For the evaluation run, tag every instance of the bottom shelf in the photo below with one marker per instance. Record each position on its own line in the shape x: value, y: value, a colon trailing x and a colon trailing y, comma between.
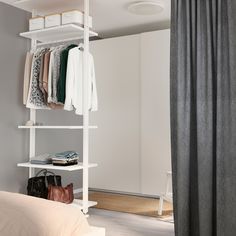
x: 79, y: 203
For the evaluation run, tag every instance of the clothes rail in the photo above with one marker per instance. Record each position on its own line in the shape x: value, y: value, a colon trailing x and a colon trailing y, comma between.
x: 59, y: 41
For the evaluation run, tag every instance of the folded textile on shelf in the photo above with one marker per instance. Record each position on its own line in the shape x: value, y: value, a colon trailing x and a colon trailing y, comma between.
x: 65, y: 163
x: 65, y: 158
x: 43, y: 159
x: 67, y: 154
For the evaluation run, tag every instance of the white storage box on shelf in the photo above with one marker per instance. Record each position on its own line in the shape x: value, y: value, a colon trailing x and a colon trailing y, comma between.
x: 75, y: 17
x: 52, y: 20
x: 36, y: 23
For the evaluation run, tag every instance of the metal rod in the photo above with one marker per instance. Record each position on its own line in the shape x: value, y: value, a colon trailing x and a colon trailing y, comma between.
x: 60, y: 41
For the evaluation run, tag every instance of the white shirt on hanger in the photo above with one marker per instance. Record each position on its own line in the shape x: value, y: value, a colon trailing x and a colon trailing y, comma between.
x: 74, y: 82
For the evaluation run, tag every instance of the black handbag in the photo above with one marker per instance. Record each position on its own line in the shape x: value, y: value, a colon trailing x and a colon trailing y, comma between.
x: 38, y: 185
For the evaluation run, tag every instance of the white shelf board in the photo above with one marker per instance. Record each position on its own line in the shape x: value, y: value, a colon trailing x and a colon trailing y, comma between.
x: 79, y: 203
x: 44, y: 7
x: 79, y: 166
x: 54, y: 127
x: 57, y: 34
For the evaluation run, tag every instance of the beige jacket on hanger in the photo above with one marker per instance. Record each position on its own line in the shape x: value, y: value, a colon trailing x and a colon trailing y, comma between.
x: 27, y: 74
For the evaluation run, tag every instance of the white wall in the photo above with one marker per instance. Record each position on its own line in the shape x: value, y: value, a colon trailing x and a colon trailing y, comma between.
x: 132, y: 143
x: 155, y: 111
x: 12, y: 141
x: 115, y: 145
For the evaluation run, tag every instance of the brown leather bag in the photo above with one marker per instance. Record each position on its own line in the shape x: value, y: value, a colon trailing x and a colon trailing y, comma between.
x: 60, y: 194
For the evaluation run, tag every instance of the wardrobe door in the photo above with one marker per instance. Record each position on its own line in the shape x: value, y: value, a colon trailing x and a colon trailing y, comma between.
x: 155, y: 111
x: 115, y: 145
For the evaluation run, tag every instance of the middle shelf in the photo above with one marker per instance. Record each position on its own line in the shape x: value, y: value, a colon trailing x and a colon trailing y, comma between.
x: 55, y: 127
x: 79, y: 166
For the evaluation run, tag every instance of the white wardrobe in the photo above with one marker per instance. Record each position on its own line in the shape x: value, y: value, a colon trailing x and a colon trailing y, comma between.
x: 132, y: 144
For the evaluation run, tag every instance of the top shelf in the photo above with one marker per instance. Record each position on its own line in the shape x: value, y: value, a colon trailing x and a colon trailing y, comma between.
x: 56, y: 34
x: 45, y: 7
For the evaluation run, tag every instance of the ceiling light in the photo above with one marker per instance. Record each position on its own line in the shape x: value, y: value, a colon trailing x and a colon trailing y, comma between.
x: 146, y: 7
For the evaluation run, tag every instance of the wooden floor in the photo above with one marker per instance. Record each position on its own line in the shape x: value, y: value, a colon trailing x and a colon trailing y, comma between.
x: 130, y: 204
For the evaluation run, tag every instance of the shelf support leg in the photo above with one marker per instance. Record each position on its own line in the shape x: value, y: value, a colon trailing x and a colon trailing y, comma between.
x: 85, y: 108
x: 32, y: 116
x: 32, y: 140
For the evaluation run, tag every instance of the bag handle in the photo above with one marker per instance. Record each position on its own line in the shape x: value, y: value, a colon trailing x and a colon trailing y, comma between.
x: 45, y: 171
x: 54, y: 176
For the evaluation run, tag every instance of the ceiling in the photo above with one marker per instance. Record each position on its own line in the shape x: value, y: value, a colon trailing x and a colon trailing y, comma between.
x: 110, y: 17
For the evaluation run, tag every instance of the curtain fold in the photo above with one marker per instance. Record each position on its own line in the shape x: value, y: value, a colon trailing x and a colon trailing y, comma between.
x: 203, y: 116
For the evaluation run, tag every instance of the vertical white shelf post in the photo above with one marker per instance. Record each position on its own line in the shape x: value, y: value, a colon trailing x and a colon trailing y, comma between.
x: 32, y: 116
x: 32, y: 141
x: 85, y: 107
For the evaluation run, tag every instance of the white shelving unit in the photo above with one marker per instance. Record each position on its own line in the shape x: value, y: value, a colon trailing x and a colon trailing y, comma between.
x: 57, y: 35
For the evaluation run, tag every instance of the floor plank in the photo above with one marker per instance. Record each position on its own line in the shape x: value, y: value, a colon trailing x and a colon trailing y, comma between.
x: 130, y: 204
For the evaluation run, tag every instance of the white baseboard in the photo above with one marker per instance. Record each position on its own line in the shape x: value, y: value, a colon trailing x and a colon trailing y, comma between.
x: 125, y: 193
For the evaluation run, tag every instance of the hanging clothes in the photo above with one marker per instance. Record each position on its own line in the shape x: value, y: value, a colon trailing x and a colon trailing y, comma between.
x: 27, y: 74
x: 45, y: 71
x: 50, y: 74
x: 36, y: 98
x: 74, y: 82
x: 54, y: 76
x: 41, y: 77
x: 54, y: 73
x: 61, y: 85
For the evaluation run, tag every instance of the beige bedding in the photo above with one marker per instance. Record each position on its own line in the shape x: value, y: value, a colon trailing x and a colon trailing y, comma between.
x: 95, y: 231
x: 22, y: 215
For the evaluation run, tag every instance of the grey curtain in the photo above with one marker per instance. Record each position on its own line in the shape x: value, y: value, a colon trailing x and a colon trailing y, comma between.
x: 203, y: 116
